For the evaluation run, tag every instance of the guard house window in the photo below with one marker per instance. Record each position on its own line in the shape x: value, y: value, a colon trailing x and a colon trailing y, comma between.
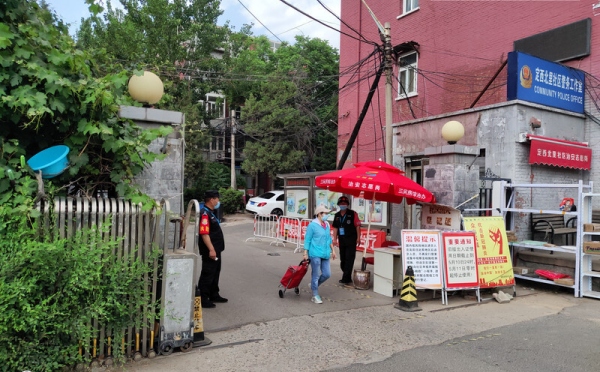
x: 410, y: 5
x: 407, y: 75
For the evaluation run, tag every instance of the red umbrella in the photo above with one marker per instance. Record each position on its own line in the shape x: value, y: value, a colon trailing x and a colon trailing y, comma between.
x: 376, y: 180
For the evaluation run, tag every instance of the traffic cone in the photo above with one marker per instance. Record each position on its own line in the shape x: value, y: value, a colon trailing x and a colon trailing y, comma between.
x: 408, y: 295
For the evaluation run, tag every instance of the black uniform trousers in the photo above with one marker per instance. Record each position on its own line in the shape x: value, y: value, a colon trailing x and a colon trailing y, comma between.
x: 347, y: 256
x: 208, y: 284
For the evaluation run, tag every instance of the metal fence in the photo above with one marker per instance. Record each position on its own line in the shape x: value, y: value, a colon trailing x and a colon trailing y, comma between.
x: 137, y: 231
x: 265, y: 227
x: 280, y: 230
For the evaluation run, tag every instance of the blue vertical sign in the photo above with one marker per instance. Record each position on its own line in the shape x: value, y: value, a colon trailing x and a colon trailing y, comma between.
x: 547, y: 83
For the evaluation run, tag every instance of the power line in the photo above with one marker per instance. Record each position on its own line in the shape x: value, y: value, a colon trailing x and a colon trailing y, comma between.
x: 240, y: 1
x: 326, y: 25
x: 347, y: 25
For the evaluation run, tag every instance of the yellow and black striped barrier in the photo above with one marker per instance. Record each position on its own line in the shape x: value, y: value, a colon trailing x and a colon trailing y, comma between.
x: 408, y: 295
x: 199, y: 339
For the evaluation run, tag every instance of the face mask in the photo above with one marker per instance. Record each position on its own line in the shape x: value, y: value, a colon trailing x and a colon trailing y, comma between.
x: 218, y: 205
x: 343, y: 207
x: 324, y: 217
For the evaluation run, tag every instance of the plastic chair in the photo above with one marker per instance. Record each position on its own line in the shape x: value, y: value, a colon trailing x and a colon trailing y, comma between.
x: 371, y: 260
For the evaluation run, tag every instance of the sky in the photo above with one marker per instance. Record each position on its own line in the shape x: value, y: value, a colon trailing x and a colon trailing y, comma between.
x: 279, y: 20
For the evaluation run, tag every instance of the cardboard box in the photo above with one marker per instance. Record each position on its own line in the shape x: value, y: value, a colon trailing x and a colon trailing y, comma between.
x: 565, y: 281
x: 521, y: 270
x: 591, y: 247
x: 591, y: 227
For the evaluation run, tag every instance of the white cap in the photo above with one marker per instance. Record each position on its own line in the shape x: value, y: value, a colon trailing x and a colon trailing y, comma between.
x: 322, y: 209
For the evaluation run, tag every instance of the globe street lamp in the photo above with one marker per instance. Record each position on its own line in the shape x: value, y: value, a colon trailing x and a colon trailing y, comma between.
x: 147, y: 88
x: 453, y: 131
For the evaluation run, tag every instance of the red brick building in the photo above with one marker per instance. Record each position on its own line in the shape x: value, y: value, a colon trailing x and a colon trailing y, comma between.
x: 445, y: 53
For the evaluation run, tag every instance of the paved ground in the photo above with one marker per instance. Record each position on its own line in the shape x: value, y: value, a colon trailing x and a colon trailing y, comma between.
x: 258, y: 331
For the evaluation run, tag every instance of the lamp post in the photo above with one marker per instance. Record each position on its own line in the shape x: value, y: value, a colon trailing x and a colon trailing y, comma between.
x: 147, y: 88
x: 453, y: 131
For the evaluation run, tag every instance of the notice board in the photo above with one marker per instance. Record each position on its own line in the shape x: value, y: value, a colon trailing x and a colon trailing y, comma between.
x: 460, y: 257
x: 493, y: 255
x: 421, y: 251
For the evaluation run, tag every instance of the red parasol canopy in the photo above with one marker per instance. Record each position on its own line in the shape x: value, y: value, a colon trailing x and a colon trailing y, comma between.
x: 377, y: 180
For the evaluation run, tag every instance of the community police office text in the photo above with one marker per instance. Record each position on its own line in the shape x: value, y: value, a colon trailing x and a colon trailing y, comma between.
x: 560, y: 95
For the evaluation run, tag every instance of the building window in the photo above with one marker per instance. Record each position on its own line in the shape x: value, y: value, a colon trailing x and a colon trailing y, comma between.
x: 215, y: 105
x: 410, y: 6
x: 407, y: 75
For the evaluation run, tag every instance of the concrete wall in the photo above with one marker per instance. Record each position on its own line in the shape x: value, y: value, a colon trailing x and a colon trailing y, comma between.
x: 162, y: 179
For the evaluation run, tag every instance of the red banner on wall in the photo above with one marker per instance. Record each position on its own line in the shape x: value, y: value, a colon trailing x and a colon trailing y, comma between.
x: 560, y: 153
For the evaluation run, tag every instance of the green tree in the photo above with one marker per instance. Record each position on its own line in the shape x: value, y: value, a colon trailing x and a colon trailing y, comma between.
x: 54, y: 93
x: 175, y: 38
x: 290, y: 109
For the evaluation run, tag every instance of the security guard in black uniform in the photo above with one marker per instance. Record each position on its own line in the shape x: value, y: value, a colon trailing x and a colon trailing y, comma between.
x: 211, y: 244
x: 346, y: 227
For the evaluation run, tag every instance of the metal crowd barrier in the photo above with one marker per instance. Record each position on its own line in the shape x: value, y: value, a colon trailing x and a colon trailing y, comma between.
x: 288, y: 231
x: 303, y: 226
x: 265, y: 227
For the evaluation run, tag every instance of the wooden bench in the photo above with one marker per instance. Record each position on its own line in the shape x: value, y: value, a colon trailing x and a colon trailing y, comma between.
x: 553, y: 226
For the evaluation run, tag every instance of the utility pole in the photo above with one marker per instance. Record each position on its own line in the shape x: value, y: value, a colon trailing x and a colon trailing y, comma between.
x: 386, y: 38
x: 387, y: 42
x: 232, y: 149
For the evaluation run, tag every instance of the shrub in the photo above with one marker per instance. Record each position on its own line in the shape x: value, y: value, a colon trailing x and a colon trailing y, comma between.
x: 231, y: 200
x: 51, y: 288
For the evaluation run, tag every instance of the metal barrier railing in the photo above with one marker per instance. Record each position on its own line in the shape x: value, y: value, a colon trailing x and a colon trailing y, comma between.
x: 265, y: 227
x: 288, y: 231
x: 303, y: 226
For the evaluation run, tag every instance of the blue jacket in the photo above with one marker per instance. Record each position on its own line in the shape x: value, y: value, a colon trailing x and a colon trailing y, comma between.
x: 317, y: 240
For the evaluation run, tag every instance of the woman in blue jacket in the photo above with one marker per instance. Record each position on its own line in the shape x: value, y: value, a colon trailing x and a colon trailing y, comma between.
x: 318, y: 246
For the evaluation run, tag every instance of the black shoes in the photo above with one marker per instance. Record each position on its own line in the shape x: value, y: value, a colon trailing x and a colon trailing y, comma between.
x: 344, y: 282
x: 208, y: 305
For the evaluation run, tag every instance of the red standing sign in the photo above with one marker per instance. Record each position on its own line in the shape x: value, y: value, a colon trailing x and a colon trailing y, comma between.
x: 460, y: 254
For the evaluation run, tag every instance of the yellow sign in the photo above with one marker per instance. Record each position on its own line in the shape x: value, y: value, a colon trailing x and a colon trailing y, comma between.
x: 493, y: 255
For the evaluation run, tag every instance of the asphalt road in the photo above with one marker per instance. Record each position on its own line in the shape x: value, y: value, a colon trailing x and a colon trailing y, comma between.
x: 538, y: 331
x: 567, y: 341
x: 250, y: 279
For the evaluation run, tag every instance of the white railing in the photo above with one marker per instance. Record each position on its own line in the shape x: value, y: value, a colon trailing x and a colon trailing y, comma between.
x: 265, y: 227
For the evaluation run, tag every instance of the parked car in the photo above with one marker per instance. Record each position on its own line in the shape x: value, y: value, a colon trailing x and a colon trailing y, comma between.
x: 271, y: 202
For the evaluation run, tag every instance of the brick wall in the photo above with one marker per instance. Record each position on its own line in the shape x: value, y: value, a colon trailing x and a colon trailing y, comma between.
x: 461, y: 45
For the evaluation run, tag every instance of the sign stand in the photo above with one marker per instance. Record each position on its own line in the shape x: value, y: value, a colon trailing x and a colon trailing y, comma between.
x: 421, y: 251
x: 460, y: 263
x: 494, y: 264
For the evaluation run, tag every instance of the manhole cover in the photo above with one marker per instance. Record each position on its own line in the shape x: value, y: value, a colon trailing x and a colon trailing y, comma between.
x: 273, y: 254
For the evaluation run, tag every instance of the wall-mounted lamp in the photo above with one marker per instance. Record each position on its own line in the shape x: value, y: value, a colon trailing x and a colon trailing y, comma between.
x: 535, y: 123
x: 453, y: 131
x: 147, y: 89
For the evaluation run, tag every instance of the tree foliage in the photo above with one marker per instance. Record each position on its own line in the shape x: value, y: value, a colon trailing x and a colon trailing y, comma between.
x: 53, y: 93
x: 175, y: 38
x: 290, y: 111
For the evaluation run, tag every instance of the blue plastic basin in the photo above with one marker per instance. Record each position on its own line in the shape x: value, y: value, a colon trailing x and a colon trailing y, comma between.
x: 51, y: 161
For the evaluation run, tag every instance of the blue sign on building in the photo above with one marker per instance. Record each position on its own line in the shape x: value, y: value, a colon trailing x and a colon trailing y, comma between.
x: 547, y: 83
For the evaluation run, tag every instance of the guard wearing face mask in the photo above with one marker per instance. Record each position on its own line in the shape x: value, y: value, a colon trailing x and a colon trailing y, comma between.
x: 211, y: 244
x: 346, y: 227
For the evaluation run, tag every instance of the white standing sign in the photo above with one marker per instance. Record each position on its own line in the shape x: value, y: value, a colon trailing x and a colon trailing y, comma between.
x: 421, y: 251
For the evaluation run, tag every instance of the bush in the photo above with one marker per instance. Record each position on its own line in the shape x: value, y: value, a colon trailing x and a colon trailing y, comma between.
x: 51, y: 288
x: 231, y: 200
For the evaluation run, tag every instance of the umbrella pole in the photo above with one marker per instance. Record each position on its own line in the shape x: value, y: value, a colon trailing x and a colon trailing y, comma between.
x: 364, y: 266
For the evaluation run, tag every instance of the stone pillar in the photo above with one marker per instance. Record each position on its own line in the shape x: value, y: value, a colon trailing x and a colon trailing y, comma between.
x: 452, y: 174
x: 162, y: 179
